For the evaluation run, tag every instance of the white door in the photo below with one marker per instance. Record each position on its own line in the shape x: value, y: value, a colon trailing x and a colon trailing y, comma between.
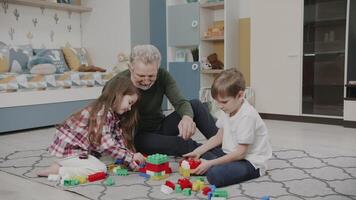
x: 276, y: 49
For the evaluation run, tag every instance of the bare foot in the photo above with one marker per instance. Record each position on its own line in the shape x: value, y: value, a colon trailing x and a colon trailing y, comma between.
x: 53, y: 169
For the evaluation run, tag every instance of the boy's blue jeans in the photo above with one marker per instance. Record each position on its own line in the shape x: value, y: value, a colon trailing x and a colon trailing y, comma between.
x: 229, y: 173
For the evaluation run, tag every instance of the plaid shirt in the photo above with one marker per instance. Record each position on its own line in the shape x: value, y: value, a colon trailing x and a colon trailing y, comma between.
x: 71, y: 138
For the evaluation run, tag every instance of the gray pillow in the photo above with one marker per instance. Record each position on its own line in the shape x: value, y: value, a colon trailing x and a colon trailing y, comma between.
x: 56, y: 56
x: 19, y: 57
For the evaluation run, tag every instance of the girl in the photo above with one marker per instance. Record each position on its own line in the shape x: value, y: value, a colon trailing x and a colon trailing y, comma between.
x: 242, y: 134
x: 103, y: 127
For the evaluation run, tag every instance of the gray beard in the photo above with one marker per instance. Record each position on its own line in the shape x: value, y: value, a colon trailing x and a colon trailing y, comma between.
x: 145, y: 87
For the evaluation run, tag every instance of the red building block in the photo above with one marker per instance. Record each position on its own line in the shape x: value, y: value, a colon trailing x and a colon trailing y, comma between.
x: 170, y: 184
x: 206, y: 190
x: 193, y: 163
x: 184, y: 183
x: 157, y: 168
x: 97, y: 176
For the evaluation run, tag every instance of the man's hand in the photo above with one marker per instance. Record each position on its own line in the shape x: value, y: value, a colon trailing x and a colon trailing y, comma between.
x: 186, y: 127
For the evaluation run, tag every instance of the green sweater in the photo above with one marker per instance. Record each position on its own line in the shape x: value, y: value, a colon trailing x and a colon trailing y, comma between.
x: 150, y: 102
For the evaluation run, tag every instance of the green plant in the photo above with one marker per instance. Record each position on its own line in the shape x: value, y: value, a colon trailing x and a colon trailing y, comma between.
x: 195, y: 54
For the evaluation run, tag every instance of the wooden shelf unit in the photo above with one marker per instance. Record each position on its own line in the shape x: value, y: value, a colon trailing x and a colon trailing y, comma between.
x: 213, y: 6
x: 219, y: 38
x: 211, y: 71
x: 51, y: 5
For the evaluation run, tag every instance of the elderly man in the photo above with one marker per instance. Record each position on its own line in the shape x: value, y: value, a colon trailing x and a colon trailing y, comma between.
x: 155, y: 132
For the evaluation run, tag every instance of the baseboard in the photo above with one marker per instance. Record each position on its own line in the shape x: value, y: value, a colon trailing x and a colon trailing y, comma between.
x: 307, y: 119
x: 349, y: 124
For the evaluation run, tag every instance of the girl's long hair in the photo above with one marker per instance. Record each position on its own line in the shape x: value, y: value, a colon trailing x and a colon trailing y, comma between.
x: 110, y: 97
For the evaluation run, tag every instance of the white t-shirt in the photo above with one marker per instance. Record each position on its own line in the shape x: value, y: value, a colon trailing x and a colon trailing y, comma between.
x: 246, y: 127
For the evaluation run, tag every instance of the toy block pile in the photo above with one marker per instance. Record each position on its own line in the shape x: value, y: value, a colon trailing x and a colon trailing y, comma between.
x: 187, y: 166
x: 186, y: 187
x: 76, y: 180
x: 157, y: 167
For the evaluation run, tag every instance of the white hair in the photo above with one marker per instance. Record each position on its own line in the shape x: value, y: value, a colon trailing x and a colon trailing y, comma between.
x: 147, y: 54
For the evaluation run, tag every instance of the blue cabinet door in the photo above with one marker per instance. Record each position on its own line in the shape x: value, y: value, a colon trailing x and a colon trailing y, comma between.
x: 187, y: 76
x: 183, y: 25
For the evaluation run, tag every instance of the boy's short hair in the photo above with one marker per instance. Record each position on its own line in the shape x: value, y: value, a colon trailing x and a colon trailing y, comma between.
x: 228, y: 84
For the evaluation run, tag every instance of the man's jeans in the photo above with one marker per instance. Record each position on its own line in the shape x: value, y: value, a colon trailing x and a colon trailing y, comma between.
x: 167, y: 141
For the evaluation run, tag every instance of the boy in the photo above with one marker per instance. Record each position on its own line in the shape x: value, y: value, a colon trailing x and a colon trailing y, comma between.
x: 242, y: 134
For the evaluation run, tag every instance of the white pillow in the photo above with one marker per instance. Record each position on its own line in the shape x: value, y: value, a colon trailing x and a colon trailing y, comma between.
x: 46, y: 68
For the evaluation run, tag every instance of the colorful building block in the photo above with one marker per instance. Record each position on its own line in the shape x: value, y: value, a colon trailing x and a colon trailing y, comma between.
x: 178, y: 188
x: 109, y: 181
x: 187, y: 191
x: 198, y: 185
x: 170, y: 184
x: 97, y: 176
x: 166, y: 190
x: 157, y: 159
x: 206, y: 190
x: 82, y: 179
x: 157, y: 167
x: 119, y: 161
x: 144, y: 175
x: 184, y: 183
x: 220, y: 193
x: 121, y: 172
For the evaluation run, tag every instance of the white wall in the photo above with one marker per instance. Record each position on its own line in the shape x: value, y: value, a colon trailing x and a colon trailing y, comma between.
x: 106, y: 30
x: 244, y: 8
x: 42, y: 31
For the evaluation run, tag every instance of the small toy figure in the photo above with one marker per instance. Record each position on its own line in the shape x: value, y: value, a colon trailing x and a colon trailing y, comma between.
x: 215, y: 62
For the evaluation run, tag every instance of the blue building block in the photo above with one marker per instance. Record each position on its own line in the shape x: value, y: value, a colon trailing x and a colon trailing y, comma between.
x: 265, y: 198
x: 119, y: 161
x: 144, y: 175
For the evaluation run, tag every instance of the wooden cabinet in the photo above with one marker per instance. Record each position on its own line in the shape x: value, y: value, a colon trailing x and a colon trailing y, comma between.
x: 190, y: 26
x: 187, y: 76
x: 183, y: 25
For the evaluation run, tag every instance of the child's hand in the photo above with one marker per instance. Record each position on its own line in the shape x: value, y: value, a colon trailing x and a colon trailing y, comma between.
x: 139, y: 158
x: 203, y: 167
x: 194, y: 154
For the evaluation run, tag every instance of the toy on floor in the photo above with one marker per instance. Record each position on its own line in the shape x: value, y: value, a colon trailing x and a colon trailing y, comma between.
x: 109, y: 181
x: 157, y: 167
x: 97, y: 176
x: 186, y: 166
x: 186, y: 187
x: 76, y: 180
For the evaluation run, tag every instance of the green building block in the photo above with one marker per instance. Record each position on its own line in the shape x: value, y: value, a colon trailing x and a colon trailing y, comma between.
x: 121, y: 172
x: 178, y: 188
x: 74, y: 182
x: 199, y: 178
x: 109, y: 181
x: 157, y: 159
x: 220, y: 193
x: 67, y: 182
x: 187, y: 192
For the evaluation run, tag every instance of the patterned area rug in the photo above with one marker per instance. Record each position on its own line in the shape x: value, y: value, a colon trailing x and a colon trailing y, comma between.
x: 294, y: 174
